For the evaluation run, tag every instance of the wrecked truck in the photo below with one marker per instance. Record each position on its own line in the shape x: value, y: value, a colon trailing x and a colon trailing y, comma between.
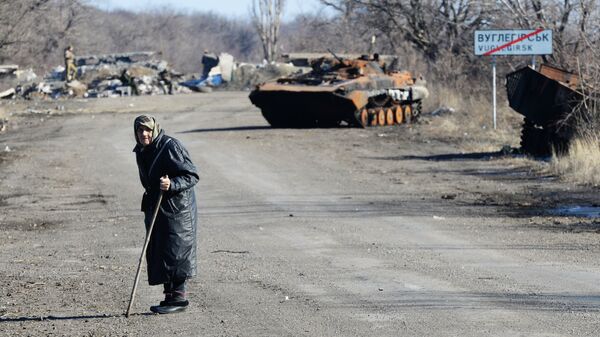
x: 358, y: 92
x: 547, y: 98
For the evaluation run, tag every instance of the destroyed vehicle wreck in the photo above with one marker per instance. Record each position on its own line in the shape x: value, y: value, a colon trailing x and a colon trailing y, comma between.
x: 549, y: 99
x: 358, y: 92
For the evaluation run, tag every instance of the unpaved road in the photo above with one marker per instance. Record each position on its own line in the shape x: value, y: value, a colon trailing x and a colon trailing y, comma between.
x: 322, y: 232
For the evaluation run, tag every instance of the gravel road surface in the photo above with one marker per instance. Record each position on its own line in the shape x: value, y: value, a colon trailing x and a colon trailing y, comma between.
x: 388, y: 231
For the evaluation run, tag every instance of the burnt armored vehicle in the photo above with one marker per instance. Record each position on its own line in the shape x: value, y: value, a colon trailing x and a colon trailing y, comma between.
x: 547, y: 98
x: 358, y: 92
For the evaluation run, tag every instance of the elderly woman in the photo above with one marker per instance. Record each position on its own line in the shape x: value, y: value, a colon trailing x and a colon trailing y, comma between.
x: 165, y: 165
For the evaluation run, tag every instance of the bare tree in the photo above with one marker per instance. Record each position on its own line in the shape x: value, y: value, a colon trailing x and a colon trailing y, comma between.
x: 266, y: 18
x: 59, y: 27
x: 431, y: 26
x: 17, y: 24
x: 318, y: 33
x: 34, y: 32
x: 572, y: 23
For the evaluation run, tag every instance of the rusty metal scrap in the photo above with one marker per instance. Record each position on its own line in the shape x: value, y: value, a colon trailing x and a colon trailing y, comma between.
x: 546, y: 98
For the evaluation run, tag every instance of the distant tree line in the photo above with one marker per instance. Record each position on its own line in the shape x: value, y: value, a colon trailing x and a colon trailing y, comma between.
x: 441, y: 31
x: 35, y: 32
x: 433, y: 36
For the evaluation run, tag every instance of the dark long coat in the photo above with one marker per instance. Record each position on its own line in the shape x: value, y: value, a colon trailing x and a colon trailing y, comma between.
x: 171, y: 253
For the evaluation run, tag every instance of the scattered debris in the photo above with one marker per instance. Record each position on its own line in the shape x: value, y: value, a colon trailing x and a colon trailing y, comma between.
x: 26, y: 75
x: 8, y: 69
x: 7, y: 93
x: 31, y: 284
x: 443, y: 110
x: 230, y: 251
x: 508, y: 150
x: 135, y: 73
x: 76, y: 88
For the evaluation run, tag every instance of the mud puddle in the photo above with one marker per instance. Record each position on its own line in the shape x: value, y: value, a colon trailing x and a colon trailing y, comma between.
x: 577, y: 211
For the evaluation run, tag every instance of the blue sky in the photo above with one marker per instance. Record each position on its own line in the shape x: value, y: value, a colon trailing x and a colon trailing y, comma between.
x: 229, y: 8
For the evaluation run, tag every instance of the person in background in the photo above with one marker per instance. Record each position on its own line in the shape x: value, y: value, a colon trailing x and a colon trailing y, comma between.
x: 70, y: 68
x: 166, y: 81
x: 127, y: 79
x: 209, y: 60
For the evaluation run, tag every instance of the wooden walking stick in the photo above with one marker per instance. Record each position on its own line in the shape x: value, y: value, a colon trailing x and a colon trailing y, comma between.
x: 139, y: 268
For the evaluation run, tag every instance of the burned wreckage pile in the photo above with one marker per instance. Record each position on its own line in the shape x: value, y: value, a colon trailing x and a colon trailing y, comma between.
x: 139, y: 73
x: 135, y: 73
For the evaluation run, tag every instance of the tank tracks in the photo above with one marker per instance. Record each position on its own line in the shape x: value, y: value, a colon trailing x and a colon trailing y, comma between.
x: 388, y: 115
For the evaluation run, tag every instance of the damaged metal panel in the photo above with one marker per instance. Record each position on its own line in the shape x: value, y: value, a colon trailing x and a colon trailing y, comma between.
x: 546, y: 97
x: 131, y: 57
x: 7, y: 93
x: 8, y: 69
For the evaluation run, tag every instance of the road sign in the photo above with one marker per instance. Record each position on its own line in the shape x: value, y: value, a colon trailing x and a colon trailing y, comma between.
x: 513, y: 42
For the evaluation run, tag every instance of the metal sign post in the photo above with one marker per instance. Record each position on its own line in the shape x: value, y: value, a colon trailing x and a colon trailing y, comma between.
x: 494, y: 87
x: 511, y: 42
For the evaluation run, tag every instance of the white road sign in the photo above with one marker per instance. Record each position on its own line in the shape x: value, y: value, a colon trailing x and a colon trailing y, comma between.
x: 513, y: 42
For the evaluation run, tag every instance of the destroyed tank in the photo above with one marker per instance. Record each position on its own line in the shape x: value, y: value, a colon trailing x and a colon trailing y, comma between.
x: 358, y: 92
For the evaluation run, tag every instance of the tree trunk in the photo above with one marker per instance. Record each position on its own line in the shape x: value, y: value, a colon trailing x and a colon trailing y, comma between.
x: 266, y: 18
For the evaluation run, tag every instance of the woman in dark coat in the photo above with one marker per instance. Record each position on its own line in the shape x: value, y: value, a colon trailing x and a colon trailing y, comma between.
x: 165, y: 165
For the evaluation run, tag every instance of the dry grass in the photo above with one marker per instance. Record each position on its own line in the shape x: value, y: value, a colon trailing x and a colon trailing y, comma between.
x: 582, y: 162
x: 470, y: 125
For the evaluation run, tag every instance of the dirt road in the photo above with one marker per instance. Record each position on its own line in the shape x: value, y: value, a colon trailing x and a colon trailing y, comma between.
x: 322, y: 232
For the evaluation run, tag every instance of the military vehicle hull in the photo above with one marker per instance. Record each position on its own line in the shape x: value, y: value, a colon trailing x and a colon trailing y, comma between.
x: 546, y: 98
x: 351, y: 92
x: 285, y: 108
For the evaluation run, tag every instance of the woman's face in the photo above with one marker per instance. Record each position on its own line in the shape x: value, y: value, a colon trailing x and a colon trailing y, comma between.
x: 144, y: 135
